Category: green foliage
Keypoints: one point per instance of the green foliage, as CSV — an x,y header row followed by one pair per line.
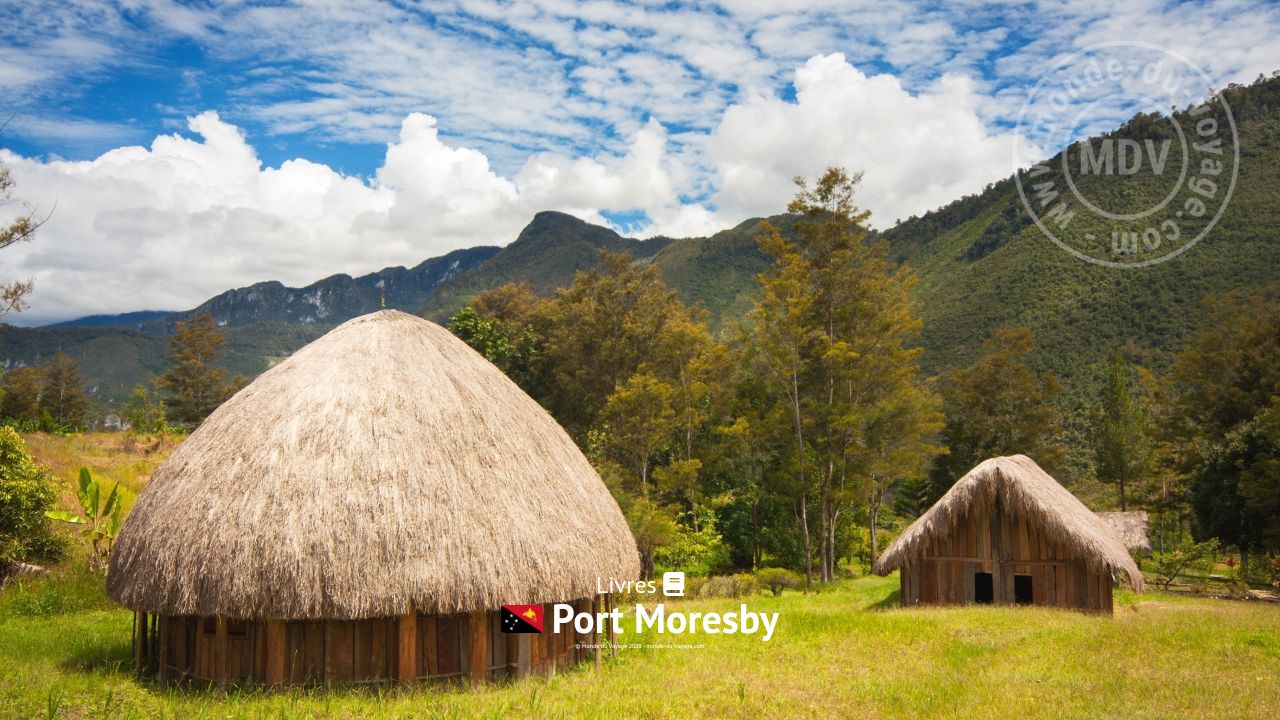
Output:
x,y
1225,420
831,339
696,552
1196,556
26,492
194,387
22,388
998,406
144,413
100,518
913,497
62,396
1122,447
777,579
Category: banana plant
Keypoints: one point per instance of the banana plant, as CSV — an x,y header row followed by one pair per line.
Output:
x,y
101,519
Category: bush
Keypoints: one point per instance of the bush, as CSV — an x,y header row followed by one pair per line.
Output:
x,y
700,552
777,579
25,493
724,586
1197,556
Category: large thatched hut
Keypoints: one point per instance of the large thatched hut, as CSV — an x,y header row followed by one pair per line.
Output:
x,y
1007,532
360,513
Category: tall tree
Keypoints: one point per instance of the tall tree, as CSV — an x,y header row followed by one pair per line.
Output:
x,y
193,386
598,332
1225,385
833,330
998,406
63,393
14,293
1122,446
638,422
22,388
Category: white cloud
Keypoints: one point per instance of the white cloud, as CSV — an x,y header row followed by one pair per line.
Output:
x,y
917,151
170,225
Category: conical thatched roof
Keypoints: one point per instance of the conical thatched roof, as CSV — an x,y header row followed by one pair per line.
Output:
x,y
1131,526
1022,487
383,466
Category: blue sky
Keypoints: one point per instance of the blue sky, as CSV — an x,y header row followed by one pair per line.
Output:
x,y
228,143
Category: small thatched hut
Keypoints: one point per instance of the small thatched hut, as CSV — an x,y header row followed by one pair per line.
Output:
x,y
1007,532
1132,527
360,513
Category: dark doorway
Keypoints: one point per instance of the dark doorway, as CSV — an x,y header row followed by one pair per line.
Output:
x,y
983,589
1022,589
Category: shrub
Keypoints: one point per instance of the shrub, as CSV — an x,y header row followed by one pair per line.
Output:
x,y
724,586
777,579
25,493
1197,556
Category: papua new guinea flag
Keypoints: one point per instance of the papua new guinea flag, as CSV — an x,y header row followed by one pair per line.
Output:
x,y
521,618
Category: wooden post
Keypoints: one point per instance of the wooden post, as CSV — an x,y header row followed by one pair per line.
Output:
x,y
277,652
407,668
595,629
613,641
220,653
139,641
478,631
524,655
162,648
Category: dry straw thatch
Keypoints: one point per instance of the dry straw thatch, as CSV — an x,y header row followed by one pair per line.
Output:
x,y
386,465
1131,527
1022,487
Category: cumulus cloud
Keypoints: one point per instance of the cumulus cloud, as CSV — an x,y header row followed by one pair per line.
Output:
x,y
918,151
169,225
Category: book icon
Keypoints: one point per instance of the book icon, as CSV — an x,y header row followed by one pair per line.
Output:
x,y
673,584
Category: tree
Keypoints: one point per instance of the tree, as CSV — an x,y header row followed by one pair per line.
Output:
x,y
998,406
832,332
22,388
26,491
13,294
1224,419
1122,447
598,332
194,387
498,324
144,412
639,421
63,393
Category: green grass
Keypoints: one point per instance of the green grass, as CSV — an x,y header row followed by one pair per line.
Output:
x,y
847,652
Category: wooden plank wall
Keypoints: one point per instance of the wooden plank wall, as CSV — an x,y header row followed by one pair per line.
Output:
x,y
346,652
1004,545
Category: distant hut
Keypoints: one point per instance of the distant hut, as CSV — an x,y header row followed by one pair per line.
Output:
x,y
1132,528
1008,533
360,513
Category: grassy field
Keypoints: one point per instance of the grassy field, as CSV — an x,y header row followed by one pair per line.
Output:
x,y
846,652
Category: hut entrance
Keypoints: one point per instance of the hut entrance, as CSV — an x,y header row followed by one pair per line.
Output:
x,y
983,588
1022,593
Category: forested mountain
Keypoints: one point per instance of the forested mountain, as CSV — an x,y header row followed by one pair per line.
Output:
x,y
981,264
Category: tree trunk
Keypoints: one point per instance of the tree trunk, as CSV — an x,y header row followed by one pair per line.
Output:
x,y
808,545
874,515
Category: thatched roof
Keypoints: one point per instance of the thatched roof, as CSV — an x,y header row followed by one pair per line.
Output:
x,y
383,466
1131,527
1021,485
